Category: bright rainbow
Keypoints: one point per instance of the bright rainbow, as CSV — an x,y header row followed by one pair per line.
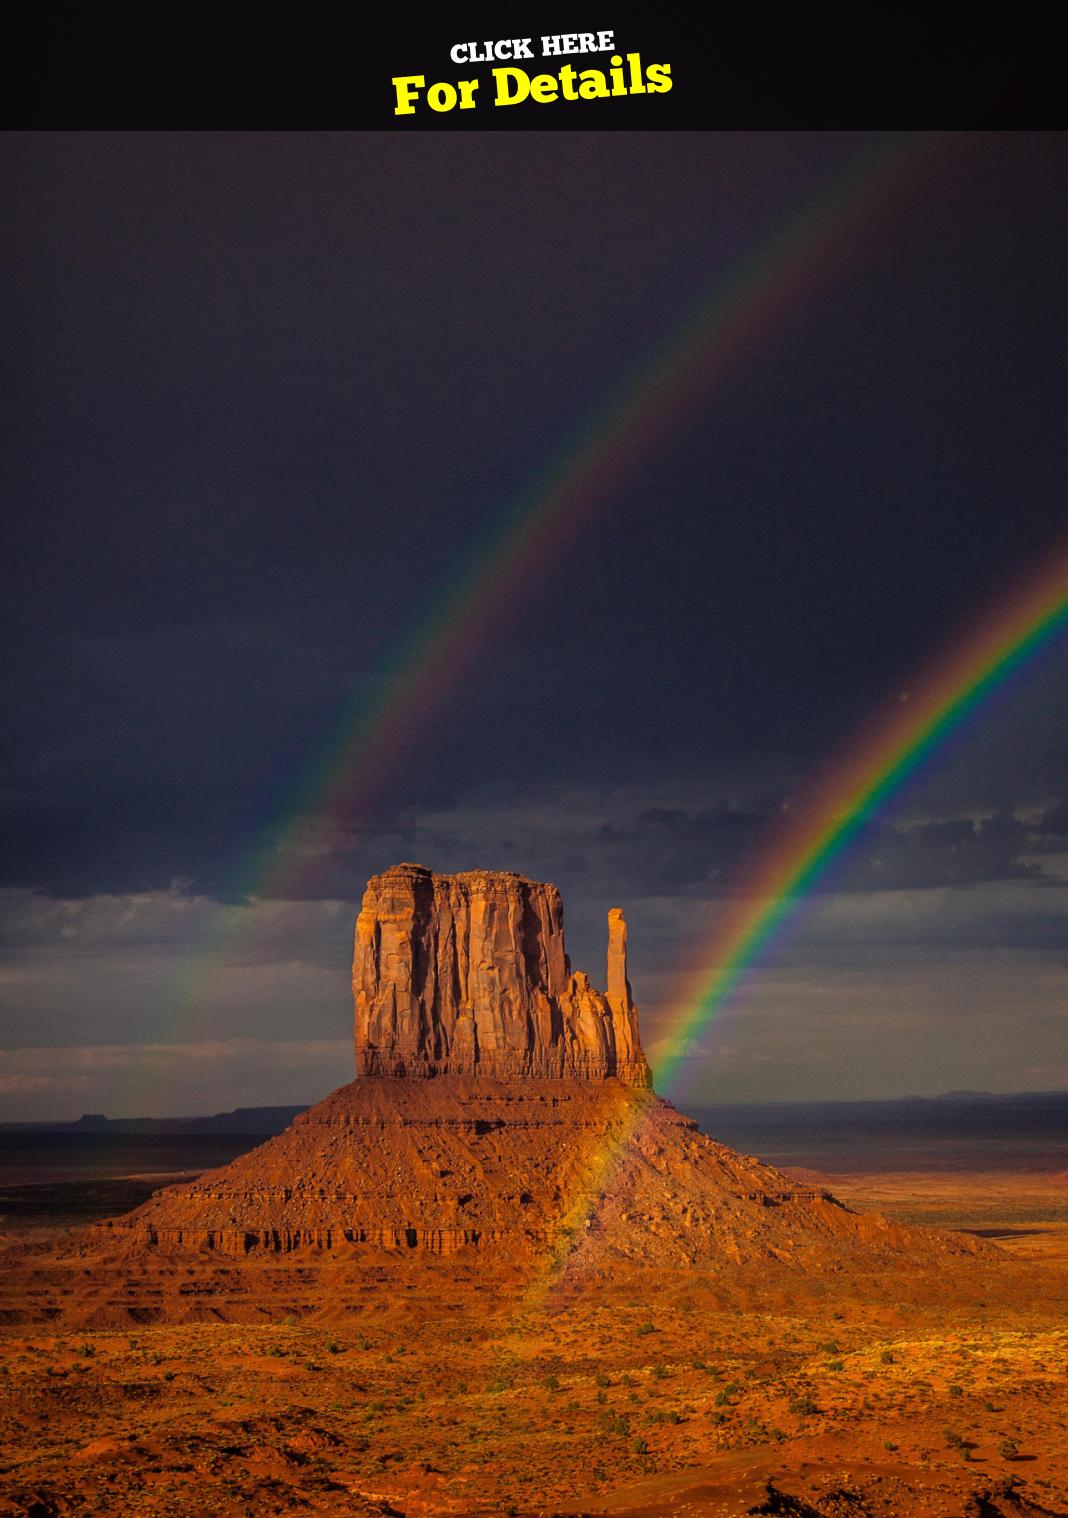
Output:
x,y
892,750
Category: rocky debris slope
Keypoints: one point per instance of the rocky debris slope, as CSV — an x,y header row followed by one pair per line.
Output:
x,y
513,1169
468,975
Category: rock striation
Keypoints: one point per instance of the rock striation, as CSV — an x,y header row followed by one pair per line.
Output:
x,y
468,975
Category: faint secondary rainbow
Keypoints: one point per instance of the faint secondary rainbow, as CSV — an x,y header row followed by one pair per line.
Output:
x,y
887,754
727,326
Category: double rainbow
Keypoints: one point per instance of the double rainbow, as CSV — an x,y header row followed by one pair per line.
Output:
x,y
741,313
391,712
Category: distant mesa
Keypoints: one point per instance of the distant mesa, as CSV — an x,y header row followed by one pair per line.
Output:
x,y
468,975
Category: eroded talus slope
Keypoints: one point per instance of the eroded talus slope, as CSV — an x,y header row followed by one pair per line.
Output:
x,y
511,1170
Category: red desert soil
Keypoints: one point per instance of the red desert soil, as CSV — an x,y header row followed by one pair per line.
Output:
x,y
420,1385
359,1379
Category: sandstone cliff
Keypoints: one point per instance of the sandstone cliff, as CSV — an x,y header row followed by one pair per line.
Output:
x,y
468,975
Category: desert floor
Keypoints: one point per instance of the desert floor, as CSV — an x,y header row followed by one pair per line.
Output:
x,y
369,1384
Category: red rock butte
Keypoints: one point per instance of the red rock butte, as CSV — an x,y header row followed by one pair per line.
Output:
x,y
468,975
500,1096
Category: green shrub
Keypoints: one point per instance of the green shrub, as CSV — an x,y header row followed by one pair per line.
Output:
x,y
615,1423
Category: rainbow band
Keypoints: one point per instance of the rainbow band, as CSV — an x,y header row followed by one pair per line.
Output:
x,y
886,757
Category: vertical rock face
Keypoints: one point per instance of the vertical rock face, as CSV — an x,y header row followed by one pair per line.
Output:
x,y
468,975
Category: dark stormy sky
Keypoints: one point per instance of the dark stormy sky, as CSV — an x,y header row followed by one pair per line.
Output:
x,y
268,394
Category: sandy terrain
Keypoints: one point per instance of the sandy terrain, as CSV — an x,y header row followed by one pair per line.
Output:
x,y
424,1386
